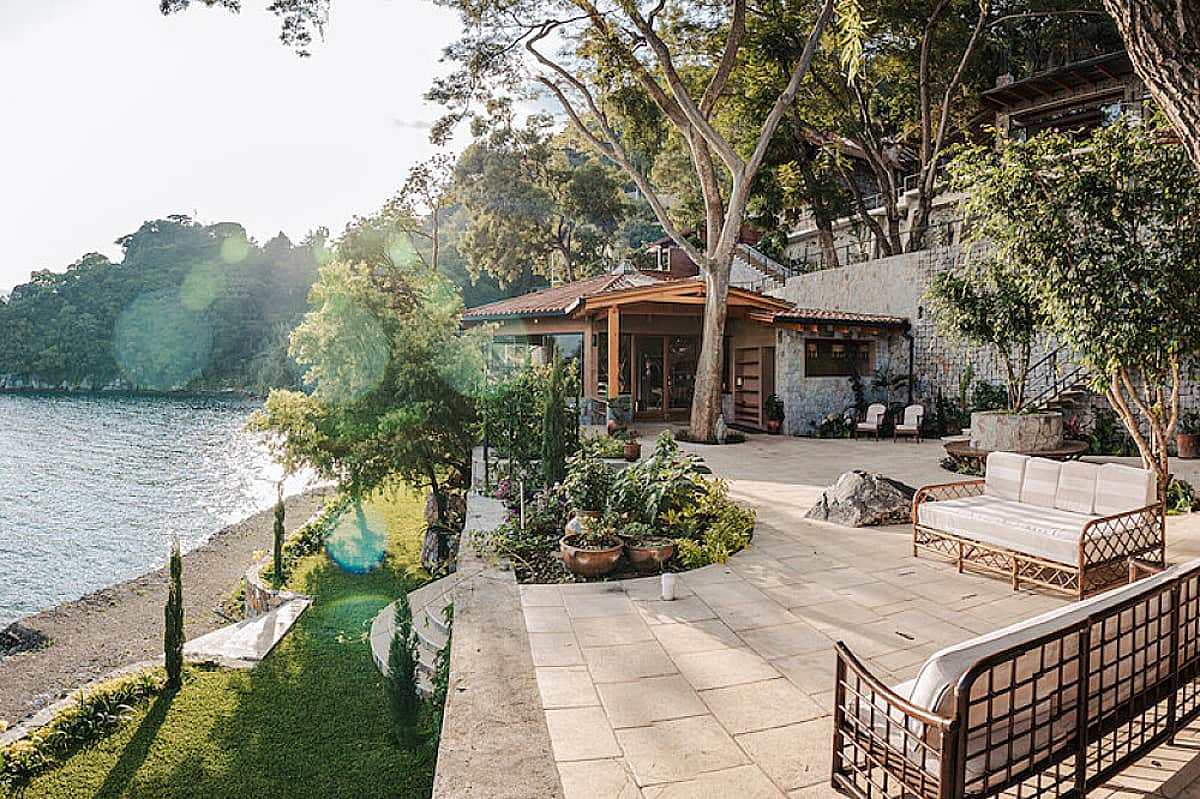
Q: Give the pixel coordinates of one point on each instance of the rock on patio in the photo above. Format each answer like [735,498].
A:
[727,691]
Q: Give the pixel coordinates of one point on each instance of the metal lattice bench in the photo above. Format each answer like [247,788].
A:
[1051,707]
[1070,527]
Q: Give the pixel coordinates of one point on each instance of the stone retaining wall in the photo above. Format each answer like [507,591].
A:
[495,743]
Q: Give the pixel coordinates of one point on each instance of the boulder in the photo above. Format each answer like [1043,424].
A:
[860,499]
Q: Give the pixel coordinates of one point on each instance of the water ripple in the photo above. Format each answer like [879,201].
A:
[91,488]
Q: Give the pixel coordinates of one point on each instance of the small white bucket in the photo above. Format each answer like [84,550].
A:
[668,586]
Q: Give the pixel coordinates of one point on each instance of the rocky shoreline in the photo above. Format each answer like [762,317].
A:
[76,642]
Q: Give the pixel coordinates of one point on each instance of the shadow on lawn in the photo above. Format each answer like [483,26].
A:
[135,752]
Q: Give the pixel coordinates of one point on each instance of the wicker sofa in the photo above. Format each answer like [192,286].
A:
[1070,527]
[1053,706]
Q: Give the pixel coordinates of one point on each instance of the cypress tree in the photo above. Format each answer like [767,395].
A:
[173,628]
[554,424]
[279,535]
[402,677]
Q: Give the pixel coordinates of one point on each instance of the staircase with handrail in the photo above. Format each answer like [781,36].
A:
[1055,382]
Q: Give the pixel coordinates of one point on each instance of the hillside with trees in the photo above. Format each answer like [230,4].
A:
[188,307]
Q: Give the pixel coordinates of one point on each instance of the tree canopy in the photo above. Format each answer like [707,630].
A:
[189,306]
[1105,235]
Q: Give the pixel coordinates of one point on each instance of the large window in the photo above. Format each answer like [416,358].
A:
[622,363]
[830,357]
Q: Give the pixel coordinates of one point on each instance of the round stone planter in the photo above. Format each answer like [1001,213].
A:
[648,555]
[993,431]
[589,562]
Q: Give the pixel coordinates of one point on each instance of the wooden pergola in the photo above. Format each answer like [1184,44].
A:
[670,299]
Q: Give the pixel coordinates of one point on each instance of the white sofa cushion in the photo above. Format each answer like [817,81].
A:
[1004,473]
[1076,487]
[1043,532]
[1040,482]
[1120,489]
[933,688]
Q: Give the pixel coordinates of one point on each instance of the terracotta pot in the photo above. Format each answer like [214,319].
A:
[633,451]
[1189,444]
[773,426]
[648,554]
[587,562]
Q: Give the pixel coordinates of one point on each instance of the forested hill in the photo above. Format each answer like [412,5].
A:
[188,307]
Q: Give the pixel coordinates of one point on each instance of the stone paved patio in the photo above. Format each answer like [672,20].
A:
[727,690]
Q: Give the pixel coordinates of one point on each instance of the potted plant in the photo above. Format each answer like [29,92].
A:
[646,551]
[633,448]
[1187,435]
[773,410]
[589,546]
[593,551]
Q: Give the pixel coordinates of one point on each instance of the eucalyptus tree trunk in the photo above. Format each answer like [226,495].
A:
[706,398]
[1163,40]
[828,249]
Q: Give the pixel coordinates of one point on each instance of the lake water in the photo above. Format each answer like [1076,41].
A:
[92,487]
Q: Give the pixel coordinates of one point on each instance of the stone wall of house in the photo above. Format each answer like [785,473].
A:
[892,286]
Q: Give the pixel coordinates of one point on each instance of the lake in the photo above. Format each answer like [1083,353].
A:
[92,487]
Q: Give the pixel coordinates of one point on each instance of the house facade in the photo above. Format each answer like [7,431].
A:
[634,338]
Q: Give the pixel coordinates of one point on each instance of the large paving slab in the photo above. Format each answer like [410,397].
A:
[243,644]
[728,690]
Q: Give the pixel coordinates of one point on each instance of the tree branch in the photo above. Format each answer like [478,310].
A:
[733,43]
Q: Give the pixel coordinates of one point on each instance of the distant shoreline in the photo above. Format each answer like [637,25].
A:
[122,623]
[230,393]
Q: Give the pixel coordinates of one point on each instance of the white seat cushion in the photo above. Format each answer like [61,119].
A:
[1004,473]
[1120,489]
[1043,532]
[1040,483]
[941,672]
[1076,487]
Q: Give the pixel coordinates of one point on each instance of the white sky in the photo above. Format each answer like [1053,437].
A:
[111,114]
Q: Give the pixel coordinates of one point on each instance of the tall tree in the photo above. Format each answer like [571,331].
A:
[1104,235]
[533,203]
[1163,39]
[595,59]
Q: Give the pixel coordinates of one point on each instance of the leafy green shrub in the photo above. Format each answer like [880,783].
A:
[556,426]
[514,413]
[666,479]
[773,408]
[1108,436]
[173,617]
[92,715]
[588,482]
[711,527]
[280,532]
[638,530]
[1181,497]
[835,425]
[988,397]
[402,677]
[603,446]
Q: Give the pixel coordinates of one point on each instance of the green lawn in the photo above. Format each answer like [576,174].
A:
[310,721]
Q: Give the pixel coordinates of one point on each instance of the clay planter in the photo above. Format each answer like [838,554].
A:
[648,554]
[773,426]
[588,562]
[1189,444]
[633,451]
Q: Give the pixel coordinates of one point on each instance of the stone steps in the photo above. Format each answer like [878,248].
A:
[429,604]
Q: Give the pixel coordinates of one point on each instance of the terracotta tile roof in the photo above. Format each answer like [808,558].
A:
[559,300]
[822,315]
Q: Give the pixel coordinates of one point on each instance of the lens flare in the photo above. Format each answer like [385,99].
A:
[358,541]
[234,248]
[161,344]
[201,286]
[351,362]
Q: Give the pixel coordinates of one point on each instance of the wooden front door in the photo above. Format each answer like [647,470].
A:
[748,386]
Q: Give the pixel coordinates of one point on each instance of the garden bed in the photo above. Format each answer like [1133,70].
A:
[668,494]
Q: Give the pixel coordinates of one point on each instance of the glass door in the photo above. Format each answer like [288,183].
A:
[650,373]
[682,354]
